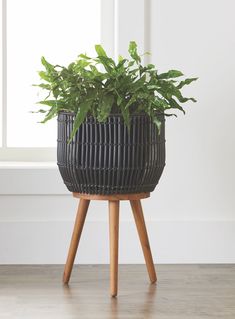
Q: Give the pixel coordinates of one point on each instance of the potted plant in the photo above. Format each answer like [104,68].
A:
[111,120]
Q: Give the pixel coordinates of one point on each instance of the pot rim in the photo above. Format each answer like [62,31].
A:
[111,114]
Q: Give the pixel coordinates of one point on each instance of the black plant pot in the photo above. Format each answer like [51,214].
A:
[106,158]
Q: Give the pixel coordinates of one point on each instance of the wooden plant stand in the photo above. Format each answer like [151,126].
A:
[113,231]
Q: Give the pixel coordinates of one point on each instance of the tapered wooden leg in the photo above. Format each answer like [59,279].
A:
[143,235]
[113,234]
[78,226]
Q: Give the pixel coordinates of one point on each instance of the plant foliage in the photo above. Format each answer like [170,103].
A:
[126,86]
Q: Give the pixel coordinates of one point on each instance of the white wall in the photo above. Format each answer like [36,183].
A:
[191,215]
[198,38]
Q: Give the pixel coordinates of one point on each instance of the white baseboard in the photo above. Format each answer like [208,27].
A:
[171,242]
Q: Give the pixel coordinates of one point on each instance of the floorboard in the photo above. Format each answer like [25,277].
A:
[182,292]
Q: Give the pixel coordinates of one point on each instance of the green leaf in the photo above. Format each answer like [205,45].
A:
[52,113]
[108,63]
[105,107]
[44,76]
[56,92]
[157,122]
[186,99]
[83,63]
[100,51]
[168,89]
[161,103]
[175,105]
[182,99]
[39,111]
[133,51]
[120,58]
[71,66]
[131,63]
[170,114]
[186,82]
[119,100]
[138,84]
[43,86]
[83,109]
[52,103]
[131,101]
[170,74]
[126,115]
[49,67]
[150,66]
[121,64]
[153,87]
[84,56]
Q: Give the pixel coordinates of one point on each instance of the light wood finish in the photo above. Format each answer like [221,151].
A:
[182,292]
[112,197]
[78,226]
[113,234]
[143,235]
[114,201]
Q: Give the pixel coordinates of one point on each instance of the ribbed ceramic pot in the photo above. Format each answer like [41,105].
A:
[107,158]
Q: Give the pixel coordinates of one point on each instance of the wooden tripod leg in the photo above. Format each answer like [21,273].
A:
[78,226]
[143,235]
[113,234]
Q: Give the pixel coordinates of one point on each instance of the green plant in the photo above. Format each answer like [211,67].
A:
[127,86]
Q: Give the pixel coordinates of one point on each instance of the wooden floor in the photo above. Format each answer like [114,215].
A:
[182,292]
